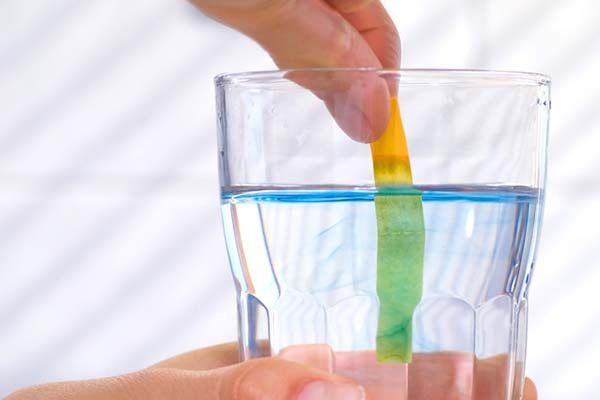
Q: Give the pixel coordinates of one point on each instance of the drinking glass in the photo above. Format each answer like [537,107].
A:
[299,214]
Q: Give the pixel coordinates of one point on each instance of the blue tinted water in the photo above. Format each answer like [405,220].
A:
[308,257]
[317,194]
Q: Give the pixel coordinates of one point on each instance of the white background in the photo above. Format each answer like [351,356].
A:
[111,251]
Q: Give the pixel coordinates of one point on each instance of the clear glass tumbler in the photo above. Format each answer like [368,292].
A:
[300,221]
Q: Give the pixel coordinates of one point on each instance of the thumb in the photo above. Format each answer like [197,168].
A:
[277,379]
[325,34]
[260,379]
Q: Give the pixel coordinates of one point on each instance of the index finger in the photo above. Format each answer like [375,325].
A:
[431,375]
[439,375]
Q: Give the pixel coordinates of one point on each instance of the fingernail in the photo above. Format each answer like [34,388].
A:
[318,356]
[323,390]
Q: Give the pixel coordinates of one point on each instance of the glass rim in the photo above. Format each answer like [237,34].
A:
[410,76]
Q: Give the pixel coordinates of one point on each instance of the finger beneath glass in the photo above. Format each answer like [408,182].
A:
[440,375]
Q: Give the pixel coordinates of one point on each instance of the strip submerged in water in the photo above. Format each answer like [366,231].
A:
[400,243]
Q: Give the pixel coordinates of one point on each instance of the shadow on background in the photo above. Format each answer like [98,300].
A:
[579,128]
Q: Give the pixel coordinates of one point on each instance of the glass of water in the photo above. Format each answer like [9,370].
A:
[300,222]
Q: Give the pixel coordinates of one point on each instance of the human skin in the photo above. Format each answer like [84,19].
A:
[214,373]
[325,34]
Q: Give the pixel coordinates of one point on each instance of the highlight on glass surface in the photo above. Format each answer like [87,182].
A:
[404,264]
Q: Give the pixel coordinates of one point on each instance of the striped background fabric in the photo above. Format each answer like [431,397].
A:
[111,248]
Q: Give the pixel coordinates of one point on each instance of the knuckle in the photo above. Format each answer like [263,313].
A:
[341,44]
[349,6]
[132,385]
[141,385]
[249,379]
